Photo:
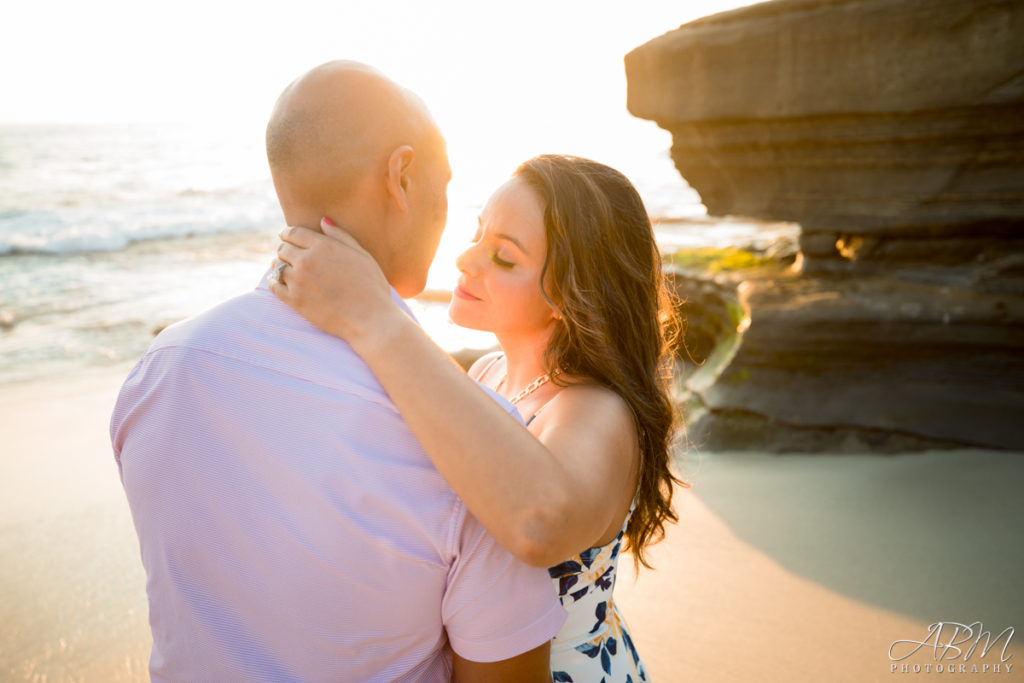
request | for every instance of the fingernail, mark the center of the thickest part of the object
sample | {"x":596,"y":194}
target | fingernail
{"x":329,"y":222}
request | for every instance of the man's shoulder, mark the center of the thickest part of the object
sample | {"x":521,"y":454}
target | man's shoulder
{"x":257,"y":333}
{"x":221,"y":319}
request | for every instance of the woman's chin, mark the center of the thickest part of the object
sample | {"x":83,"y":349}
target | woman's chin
{"x":459,"y":317}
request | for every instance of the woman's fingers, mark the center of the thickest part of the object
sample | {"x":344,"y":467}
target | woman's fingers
{"x":289,"y":253}
{"x":340,"y":234}
{"x":330,"y":279}
{"x":299,"y":236}
{"x":275,"y":281}
{"x":305,"y":238}
{"x":332,"y":230}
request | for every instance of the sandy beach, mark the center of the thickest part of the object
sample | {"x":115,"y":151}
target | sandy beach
{"x":782,"y":567}
{"x":809,"y":567}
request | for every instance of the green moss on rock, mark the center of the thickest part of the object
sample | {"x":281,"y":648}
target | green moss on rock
{"x":716,"y":260}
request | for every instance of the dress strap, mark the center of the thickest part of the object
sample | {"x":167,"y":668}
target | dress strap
{"x":537,"y":412}
{"x":487,"y":368}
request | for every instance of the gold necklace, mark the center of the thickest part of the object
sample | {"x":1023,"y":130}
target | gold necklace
{"x":530,"y":388}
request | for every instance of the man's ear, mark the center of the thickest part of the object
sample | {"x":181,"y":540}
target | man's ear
{"x":399,"y":177}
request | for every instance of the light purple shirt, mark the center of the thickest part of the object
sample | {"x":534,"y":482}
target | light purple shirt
{"x":291,"y":527}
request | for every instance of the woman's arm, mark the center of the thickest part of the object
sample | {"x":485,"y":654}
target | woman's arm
{"x":542,"y":498}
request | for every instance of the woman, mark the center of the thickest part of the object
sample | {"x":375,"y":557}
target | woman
{"x":565,"y":271}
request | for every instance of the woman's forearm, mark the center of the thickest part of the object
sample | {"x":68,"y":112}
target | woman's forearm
{"x":539,"y":509}
{"x":508,"y":479}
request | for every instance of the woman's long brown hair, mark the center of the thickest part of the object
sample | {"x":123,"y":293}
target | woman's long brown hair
{"x":618,"y":323}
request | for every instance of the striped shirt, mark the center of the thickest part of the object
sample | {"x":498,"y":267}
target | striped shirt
{"x":290,"y":525}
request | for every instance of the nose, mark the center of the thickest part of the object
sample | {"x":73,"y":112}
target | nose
{"x":467,"y":262}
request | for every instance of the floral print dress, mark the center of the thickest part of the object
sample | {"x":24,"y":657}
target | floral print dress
{"x":594,"y":644}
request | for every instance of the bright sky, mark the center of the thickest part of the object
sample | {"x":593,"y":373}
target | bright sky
{"x":505,"y":79}
{"x":136,"y":60}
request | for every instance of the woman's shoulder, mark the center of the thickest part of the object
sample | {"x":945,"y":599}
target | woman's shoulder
{"x":484,"y":363}
{"x":594,"y":403}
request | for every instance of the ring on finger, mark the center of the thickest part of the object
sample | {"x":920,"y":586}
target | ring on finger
{"x":275,"y":274}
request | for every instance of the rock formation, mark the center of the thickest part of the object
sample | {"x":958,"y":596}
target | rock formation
{"x":893,"y":132}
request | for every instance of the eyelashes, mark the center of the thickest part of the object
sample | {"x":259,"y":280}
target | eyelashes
{"x":493,"y":256}
{"x":498,"y":261}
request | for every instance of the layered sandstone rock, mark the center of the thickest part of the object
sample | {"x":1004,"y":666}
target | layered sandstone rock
{"x":893,"y":132}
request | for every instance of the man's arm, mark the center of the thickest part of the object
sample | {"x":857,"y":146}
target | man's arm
{"x":499,"y":613}
{"x":529,"y":667}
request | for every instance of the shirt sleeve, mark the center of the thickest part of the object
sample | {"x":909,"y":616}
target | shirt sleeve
{"x":495,"y":606}
{"x":126,"y":399}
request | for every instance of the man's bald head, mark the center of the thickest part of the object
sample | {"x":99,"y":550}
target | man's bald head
{"x":332,"y":126}
{"x":347,"y":143}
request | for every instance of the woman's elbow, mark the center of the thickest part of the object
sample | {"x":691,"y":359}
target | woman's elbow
{"x":541,"y":539}
{"x":544,"y":557}
{"x":537,"y":554}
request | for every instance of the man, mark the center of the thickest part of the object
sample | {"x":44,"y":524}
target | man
{"x":290,"y":525}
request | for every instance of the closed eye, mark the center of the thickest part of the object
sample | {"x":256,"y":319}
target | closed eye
{"x":498,"y":261}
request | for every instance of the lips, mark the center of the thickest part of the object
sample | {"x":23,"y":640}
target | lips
{"x":461,"y":293}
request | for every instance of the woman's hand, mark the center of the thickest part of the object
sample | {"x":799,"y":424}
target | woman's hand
{"x":333,"y":282}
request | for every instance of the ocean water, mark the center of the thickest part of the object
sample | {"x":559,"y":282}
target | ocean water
{"x":109,"y":233}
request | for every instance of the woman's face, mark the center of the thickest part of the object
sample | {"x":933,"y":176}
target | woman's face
{"x":499,"y":290}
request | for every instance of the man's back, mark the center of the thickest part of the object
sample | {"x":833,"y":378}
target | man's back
{"x":291,"y":527}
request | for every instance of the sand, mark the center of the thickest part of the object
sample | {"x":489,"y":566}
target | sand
{"x":782,"y":567}
{"x":809,"y":567}
{"x":71,"y":582}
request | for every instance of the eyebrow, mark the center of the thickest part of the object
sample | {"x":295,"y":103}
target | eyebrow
{"x":513,"y":240}
{"x":503,"y":236}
